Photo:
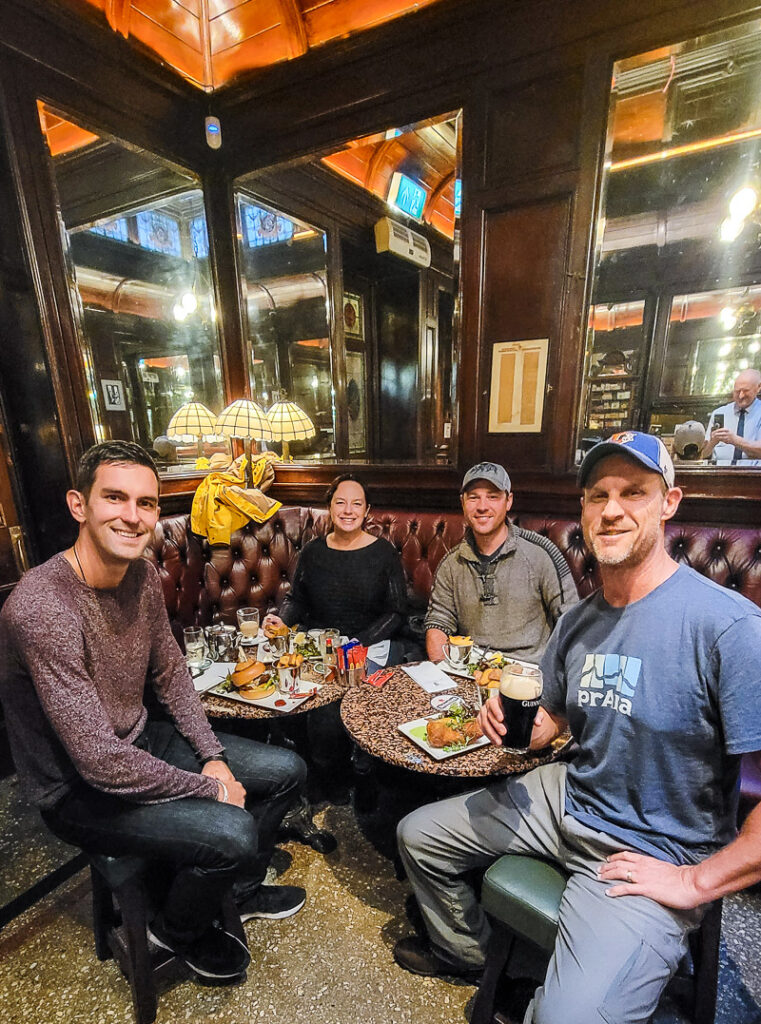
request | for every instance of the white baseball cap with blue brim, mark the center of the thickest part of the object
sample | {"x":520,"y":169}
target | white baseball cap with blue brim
{"x":646,"y":449}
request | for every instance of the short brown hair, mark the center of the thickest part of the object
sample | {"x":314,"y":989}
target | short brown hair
{"x":109,"y":453}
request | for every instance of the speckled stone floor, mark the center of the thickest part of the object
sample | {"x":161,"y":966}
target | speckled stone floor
{"x":331,"y":964}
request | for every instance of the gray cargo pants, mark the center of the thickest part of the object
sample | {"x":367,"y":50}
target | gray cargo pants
{"x":613,"y":956}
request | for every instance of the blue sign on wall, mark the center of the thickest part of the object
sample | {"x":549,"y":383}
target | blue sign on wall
{"x":406,"y":195}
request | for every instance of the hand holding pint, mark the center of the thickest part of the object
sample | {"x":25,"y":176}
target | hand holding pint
{"x":520,"y":690}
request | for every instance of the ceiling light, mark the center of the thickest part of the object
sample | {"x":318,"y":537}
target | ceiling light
{"x":189,"y":302}
{"x":725,"y":349}
{"x":179,"y":312}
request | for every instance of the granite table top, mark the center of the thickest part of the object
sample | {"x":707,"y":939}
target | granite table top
{"x":224,"y":707}
{"x":373,"y":716}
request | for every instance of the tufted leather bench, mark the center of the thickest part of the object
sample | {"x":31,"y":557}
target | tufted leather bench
{"x":204,"y":584}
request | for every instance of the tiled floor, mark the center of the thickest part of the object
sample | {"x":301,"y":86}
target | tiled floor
{"x":331,"y":964}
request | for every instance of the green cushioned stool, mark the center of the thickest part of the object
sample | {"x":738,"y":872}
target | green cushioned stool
{"x":522,"y":895}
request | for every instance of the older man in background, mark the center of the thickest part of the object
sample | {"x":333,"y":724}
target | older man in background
{"x":733,"y":435}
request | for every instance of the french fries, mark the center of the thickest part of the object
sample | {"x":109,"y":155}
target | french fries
{"x":291,"y":661}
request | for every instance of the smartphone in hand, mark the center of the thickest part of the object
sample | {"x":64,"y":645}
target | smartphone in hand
{"x":718,"y":421}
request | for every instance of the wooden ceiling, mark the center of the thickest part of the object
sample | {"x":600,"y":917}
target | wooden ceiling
{"x":211,"y":42}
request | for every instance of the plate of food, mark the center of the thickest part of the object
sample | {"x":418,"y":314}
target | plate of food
{"x":253,"y":682}
{"x":445,"y":735}
{"x":307,"y":645}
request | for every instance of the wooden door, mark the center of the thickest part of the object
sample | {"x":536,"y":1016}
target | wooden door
{"x":13,"y":557}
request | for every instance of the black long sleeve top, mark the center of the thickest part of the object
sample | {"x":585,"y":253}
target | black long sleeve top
{"x":361,"y":592}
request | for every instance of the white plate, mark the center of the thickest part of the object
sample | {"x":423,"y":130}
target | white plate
{"x":415,"y":731}
{"x":270,"y":701}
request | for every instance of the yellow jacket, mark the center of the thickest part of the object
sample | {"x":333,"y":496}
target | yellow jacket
{"x":222,"y":504}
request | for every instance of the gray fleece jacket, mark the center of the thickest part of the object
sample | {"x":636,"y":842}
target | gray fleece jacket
{"x":509,"y":604}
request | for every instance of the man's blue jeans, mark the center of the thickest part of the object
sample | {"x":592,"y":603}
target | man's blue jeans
{"x":210,"y":845}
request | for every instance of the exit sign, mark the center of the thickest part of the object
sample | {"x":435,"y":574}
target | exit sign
{"x":406,"y":195}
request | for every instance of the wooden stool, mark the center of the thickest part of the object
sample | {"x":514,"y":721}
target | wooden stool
{"x":522,"y":895}
{"x":119,"y":925}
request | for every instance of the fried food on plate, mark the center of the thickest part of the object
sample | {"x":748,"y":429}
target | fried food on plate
{"x":488,"y":676}
{"x":452,"y":731}
{"x":270,"y":630}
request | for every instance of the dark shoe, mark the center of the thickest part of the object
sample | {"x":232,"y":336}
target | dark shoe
{"x":416,"y":956}
{"x":298,"y":824}
{"x":215,"y":955}
{"x":273,"y":902}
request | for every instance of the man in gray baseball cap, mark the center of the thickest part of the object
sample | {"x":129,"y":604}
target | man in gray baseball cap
{"x":503,"y":586}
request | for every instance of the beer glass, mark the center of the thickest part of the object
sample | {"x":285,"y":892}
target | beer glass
{"x":248,"y":622}
{"x":520,"y":690}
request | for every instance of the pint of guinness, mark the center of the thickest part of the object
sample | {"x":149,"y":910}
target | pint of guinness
{"x":520,"y":690}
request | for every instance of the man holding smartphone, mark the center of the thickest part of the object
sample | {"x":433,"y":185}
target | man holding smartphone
{"x":733,"y":435}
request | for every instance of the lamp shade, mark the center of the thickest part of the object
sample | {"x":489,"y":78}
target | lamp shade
{"x":289,"y":423}
{"x":244,"y":418}
{"x":191,"y":420}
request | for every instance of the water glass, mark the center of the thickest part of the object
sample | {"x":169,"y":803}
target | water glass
{"x":248,"y":622}
{"x":195,"y":645}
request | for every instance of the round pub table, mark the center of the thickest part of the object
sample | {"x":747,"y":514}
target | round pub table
{"x":373,"y":715}
{"x":225,"y":707}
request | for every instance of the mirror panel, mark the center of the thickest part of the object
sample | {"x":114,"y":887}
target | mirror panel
{"x":134,"y":229}
{"x":358,"y":324}
{"x":675,"y":297}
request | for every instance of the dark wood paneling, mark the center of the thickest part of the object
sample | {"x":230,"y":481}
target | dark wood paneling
{"x":533,"y":129}
{"x":523,"y":284}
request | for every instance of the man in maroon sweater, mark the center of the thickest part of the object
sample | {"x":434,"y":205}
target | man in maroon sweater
{"x":82,"y":637}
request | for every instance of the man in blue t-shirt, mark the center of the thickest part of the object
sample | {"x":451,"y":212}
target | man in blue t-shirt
{"x":656,"y":676}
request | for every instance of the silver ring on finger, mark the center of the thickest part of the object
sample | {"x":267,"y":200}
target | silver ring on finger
{"x":629,"y":878}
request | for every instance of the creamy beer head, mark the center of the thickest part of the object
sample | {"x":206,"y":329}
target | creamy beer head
{"x":520,"y":683}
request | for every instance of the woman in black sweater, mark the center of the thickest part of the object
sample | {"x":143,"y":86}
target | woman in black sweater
{"x":349,"y":580}
{"x":353,"y":582}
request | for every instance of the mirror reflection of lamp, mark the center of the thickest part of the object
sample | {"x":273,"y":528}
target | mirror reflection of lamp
{"x":247,"y":420}
{"x":192,"y":422}
{"x":288,"y":422}
{"x":742,"y":207}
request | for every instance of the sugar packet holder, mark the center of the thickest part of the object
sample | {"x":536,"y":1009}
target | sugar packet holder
{"x":351,"y":661}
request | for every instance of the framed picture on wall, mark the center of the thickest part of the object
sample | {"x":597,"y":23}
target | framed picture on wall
{"x":518,"y":373}
{"x":353,"y":316}
{"x":356,"y":402}
{"x":113,"y":395}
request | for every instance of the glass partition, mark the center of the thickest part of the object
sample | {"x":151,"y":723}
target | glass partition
{"x":137,"y":247}
{"x":349,"y":289}
{"x":677,"y":284}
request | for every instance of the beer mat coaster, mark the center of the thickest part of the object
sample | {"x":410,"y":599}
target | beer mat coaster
{"x":429,"y":677}
{"x":416,"y":731}
{"x":275,"y":701}
{"x":212,"y":676}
